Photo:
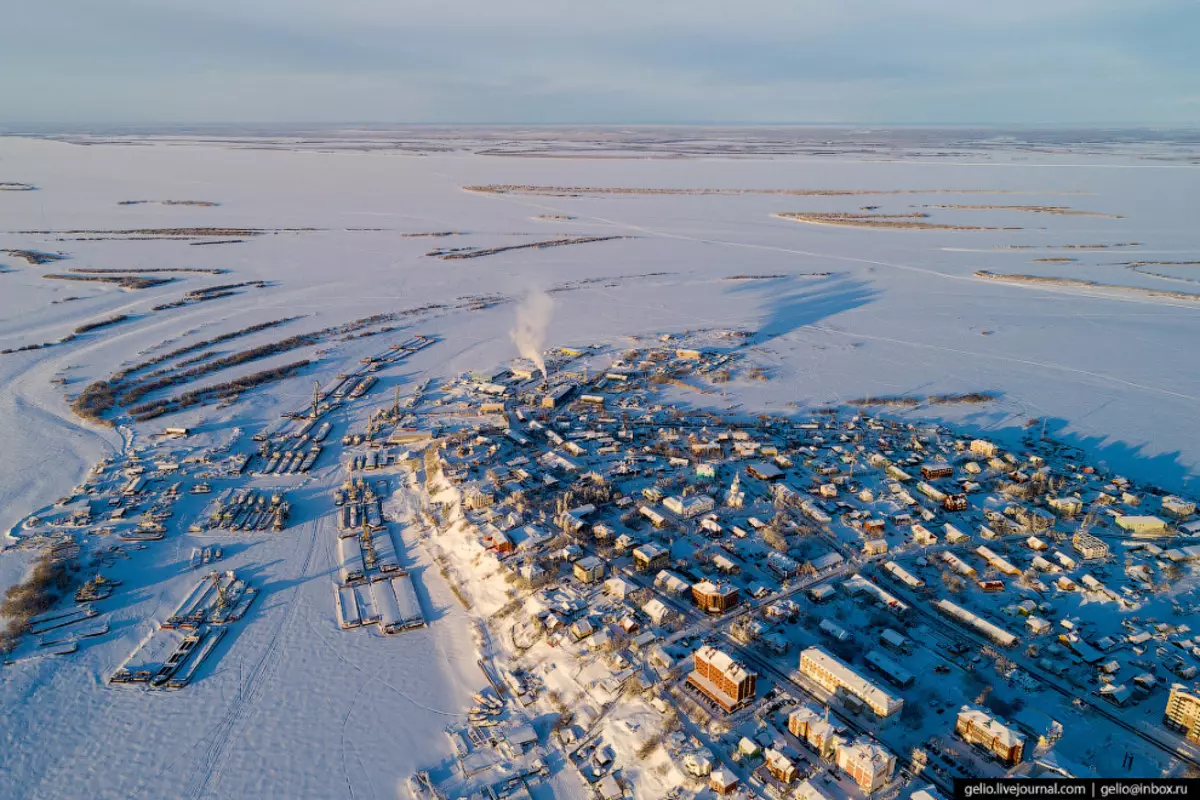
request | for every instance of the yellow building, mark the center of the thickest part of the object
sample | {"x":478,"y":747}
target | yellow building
{"x":1183,"y":712}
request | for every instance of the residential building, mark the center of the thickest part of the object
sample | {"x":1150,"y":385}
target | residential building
{"x":589,"y":569}
{"x":934,"y":470}
{"x":801,"y":720}
{"x":955,"y":502}
{"x":650,"y":556}
{"x":871,"y":766}
{"x":1183,"y":712}
{"x":835,"y":676}
{"x":979,"y":728}
{"x":714,"y":598}
{"x":721,"y":679}
{"x":982,"y":447}
{"x":1089,"y":546}
{"x":1177,"y":506}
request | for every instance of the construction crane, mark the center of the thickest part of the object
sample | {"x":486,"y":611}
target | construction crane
{"x":222,"y":596}
{"x":316,"y":400}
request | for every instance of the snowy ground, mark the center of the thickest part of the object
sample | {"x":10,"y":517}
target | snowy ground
{"x":296,"y":707}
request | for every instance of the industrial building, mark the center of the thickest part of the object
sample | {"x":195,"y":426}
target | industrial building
{"x":835,"y":676}
{"x":1142,"y":525}
{"x":721,"y":679}
{"x":978,"y":728}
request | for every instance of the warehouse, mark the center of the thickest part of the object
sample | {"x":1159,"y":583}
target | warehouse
{"x":889,"y":669}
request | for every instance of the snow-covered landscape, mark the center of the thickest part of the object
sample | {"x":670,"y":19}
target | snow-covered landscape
{"x":381,"y":440}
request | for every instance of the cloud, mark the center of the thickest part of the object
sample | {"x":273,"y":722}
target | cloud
{"x":874,"y":61}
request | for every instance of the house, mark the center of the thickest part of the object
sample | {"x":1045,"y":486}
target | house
{"x":619,"y":587}
{"x":658,"y":612}
{"x":608,"y":788}
{"x":875,"y":547}
{"x":559,"y":395}
{"x":922,"y":535}
{"x":723,"y":782}
{"x":699,"y":763}
{"x":809,"y":790}
{"x":589,"y":569}
{"x":650,"y":556}
{"x":780,"y":766}
{"x":670,"y":583}
{"x":1067,"y":506}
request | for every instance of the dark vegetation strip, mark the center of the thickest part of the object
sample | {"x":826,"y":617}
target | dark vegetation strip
{"x":490,"y":251}
{"x":70,"y":337}
{"x":102,"y":323}
{"x":136,"y":393}
{"x":209,"y":293}
{"x":231,"y":388}
{"x":115,"y":271}
{"x":124,"y":281}
{"x":35,"y":257}
{"x":101,"y":397}
{"x":204,"y":203}
{"x":908,"y":401}
{"x":225,"y":337}
{"x":169,"y":232}
{"x":50,"y":581}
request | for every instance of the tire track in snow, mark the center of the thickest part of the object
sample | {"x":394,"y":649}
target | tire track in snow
{"x":212,"y":759}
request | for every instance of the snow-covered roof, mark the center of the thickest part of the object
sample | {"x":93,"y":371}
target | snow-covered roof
{"x":1005,"y":736}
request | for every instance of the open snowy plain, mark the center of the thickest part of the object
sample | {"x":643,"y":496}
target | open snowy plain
{"x":860,"y":304}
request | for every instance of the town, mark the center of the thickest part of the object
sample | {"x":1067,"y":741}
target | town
{"x":674,"y":601}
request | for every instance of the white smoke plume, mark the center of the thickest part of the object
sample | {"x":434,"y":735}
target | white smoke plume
{"x":529,"y":335}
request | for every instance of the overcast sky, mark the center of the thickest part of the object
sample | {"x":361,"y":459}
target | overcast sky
{"x":601,"y":61}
